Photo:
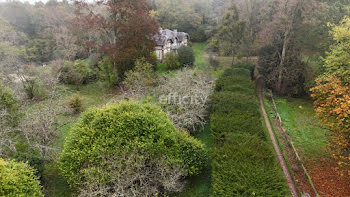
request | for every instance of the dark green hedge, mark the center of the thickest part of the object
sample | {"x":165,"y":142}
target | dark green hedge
{"x":224,"y":124}
{"x":227,"y":81}
{"x":244,"y":163}
{"x":226,"y":102}
{"x":245,"y":166}
{"x":237,"y":71}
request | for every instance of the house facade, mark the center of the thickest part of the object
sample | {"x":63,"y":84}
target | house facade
{"x":169,"y":41}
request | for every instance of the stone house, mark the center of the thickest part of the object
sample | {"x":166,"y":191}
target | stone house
{"x":169,"y":41}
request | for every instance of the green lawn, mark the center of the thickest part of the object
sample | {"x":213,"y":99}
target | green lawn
{"x":200,"y":55}
{"x":299,"y":120}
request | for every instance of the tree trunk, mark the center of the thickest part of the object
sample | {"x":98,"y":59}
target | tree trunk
{"x":283,"y":58}
{"x":280,"y":71}
{"x":233,"y":58}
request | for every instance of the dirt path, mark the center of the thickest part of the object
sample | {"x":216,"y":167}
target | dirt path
{"x":289,"y":178}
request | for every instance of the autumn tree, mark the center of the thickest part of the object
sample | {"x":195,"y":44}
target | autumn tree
{"x":332,"y":93}
{"x":125,"y":30}
{"x":332,"y":105}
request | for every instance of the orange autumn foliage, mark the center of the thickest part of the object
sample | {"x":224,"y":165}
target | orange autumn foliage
{"x":332,"y":105}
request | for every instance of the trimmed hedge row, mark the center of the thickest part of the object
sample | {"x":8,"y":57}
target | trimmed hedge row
{"x":244,"y":163}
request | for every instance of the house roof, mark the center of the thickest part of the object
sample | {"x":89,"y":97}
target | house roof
{"x":169,"y":35}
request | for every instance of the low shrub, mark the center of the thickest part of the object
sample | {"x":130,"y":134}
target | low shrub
{"x":141,"y":78}
{"x":186,"y":56}
{"x":107,"y":72}
{"x":129,"y":148}
{"x":34,"y":89}
{"x":75,"y":73}
{"x":75,"y":103}
{"x":18,"y":179}
{"x":171,"y":61}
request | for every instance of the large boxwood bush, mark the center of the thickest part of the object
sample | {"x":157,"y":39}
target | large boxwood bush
{"x":135,"y":140}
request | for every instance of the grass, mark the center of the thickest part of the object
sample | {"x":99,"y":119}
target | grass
{"x":271,"y":114}
{"x":200,"y":186}
{"x":298,"y":118}
{"x":200,"y":55}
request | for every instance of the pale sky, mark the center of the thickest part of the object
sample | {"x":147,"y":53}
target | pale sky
{"x":32,"y":1}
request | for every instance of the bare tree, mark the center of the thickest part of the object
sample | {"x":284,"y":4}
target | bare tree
{"x":132,"y":175}
{"x":40,"y":126}
{"x":185,"y":97}
{"x":9,"y":119}
{"x":6,"y":140}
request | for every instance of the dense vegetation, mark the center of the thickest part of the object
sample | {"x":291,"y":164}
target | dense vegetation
{"x":58,"y":59}
{"x":244,"y":163}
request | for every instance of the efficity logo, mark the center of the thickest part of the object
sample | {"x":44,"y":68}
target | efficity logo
{"x":176,"y":99}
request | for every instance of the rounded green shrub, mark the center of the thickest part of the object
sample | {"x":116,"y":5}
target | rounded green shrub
{"x":118,"y":129}
{"x":186,"y":56}
{"x":171,"y":61}
{"x":75,"y":103}
{"x":18,"y":179}
{"x":75,"y":73}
